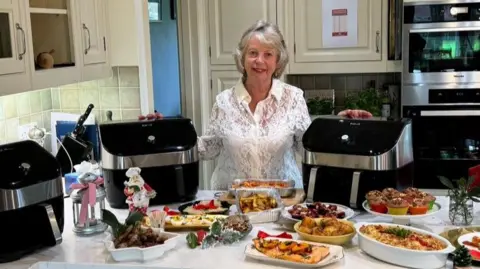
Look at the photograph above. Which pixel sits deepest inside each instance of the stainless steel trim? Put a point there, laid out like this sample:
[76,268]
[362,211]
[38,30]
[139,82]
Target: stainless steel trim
[311,184]
[436,2]
[53,223]
[434,113]
[354,189]
[30,195]
[417,95]
[398,156]
[113,162]
[436,30]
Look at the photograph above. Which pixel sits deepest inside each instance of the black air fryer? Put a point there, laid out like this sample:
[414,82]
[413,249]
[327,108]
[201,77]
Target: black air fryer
[31,199]
[165,150]
[345,158]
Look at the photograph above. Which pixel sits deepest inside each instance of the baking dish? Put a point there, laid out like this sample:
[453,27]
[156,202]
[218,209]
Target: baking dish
[288,191]
[404,257]
[270,215]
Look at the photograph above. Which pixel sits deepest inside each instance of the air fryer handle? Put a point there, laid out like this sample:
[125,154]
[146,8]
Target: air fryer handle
[311,184]
[354,189]
[57,235]
[179,181]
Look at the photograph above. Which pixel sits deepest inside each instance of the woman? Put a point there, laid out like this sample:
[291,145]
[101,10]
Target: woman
[256,127]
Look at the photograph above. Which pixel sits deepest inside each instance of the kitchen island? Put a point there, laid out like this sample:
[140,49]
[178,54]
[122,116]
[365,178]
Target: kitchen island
[91,250]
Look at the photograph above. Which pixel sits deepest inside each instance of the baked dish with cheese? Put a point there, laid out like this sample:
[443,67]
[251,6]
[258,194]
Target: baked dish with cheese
[261,184]
[402,238]
[293,251]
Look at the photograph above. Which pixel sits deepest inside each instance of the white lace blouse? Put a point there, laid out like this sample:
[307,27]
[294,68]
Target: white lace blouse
[258,145]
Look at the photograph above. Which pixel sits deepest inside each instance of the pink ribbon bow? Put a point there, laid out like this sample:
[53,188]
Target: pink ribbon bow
[89,196]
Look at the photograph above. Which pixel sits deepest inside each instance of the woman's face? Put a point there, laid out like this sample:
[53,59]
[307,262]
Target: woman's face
[260,60]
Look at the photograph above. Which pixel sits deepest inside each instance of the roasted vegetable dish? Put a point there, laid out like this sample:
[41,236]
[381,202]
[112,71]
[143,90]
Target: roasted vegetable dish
[257,202]
[315,210]
[137,236]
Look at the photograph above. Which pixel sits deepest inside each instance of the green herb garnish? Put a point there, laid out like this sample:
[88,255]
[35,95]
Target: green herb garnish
[400,232]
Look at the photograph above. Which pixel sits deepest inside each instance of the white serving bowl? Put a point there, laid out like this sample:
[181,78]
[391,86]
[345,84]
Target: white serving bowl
[404,257]
[142,254]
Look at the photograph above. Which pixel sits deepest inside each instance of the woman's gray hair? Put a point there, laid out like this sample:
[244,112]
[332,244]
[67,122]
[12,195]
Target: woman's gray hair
[268,34]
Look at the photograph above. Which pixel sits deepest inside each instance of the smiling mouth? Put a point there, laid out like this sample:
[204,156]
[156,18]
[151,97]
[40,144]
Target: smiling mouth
[259,70]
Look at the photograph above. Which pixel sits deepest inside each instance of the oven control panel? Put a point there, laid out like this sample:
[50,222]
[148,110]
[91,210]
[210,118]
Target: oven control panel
[453,96]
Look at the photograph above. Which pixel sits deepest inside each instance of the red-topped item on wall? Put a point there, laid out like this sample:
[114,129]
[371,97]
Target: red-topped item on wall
[474,172]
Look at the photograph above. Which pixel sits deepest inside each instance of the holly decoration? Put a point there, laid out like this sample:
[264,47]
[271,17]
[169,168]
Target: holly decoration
[462,257]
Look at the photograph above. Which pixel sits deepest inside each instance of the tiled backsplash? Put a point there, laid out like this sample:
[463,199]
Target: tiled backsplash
[341,83]
[119,94]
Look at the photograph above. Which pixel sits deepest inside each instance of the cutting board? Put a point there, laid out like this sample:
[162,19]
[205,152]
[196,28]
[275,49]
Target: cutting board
[297,198]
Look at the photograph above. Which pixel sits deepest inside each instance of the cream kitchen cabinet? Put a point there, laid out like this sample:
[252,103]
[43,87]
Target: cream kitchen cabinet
[52,43]
[228,19]
[310,55]
[13,58]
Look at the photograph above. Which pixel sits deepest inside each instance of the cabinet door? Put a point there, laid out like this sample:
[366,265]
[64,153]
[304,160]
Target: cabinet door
[228,19]
[12,38]
[93,24]
[309,43]
[222,80]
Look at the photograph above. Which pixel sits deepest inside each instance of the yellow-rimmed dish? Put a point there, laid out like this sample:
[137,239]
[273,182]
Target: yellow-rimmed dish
[333,240]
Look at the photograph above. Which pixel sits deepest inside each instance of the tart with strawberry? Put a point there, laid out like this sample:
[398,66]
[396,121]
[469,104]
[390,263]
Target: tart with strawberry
[397,206]
[418,207]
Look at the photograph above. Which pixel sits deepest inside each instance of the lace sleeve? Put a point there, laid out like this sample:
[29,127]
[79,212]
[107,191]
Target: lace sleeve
[302,121]
[210,144]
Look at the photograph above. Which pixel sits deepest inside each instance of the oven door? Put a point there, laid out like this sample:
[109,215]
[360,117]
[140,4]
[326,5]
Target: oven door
[446,142]
[441,53]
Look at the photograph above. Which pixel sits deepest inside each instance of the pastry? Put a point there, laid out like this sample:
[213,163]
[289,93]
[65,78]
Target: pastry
[378,205]
[418,207]
[430,199]
[373,195]
[397,206]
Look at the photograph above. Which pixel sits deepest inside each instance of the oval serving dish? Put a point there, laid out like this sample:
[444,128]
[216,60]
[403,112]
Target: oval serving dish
[142,254]
[416,258]
[334,240]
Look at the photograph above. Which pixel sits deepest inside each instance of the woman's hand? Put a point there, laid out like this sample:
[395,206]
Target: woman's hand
[151,116]
[355,114]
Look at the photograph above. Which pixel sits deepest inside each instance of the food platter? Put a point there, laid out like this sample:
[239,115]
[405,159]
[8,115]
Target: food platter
[260,205]
[472,242]
[336,254]
[191,222]
[403,219]
[349,213]
[201,207]
[285,188]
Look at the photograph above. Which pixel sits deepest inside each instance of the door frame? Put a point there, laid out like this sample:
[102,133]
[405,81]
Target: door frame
[194,67]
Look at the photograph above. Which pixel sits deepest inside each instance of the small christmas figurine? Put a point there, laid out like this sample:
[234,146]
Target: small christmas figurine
[137,191]
[462,258]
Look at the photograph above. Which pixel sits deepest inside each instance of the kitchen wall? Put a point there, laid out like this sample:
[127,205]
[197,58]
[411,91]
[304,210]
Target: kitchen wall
[119,94]
[341,83]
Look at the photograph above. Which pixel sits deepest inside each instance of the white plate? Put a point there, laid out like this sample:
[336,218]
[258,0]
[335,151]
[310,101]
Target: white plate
[336,254]
[142,254]
[468,237]
[349,213]
[436,208]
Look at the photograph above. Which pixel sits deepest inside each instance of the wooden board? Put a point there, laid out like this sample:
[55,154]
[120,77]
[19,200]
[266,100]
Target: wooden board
[297,198]
[170,227]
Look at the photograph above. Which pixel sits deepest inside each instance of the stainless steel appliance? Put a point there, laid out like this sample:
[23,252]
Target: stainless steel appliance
[31,200]
[446,140]
[441,42]
[345,158]
[165,150]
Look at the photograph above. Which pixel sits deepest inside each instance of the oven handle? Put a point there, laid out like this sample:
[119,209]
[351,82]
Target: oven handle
[453,29]
[440,113]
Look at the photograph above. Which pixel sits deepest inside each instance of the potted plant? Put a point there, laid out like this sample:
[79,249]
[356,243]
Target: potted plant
[462,258]
[368,99]
[462,195]
[320,106]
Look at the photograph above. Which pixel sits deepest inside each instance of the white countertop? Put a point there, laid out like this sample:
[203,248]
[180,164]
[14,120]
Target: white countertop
[75,249]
